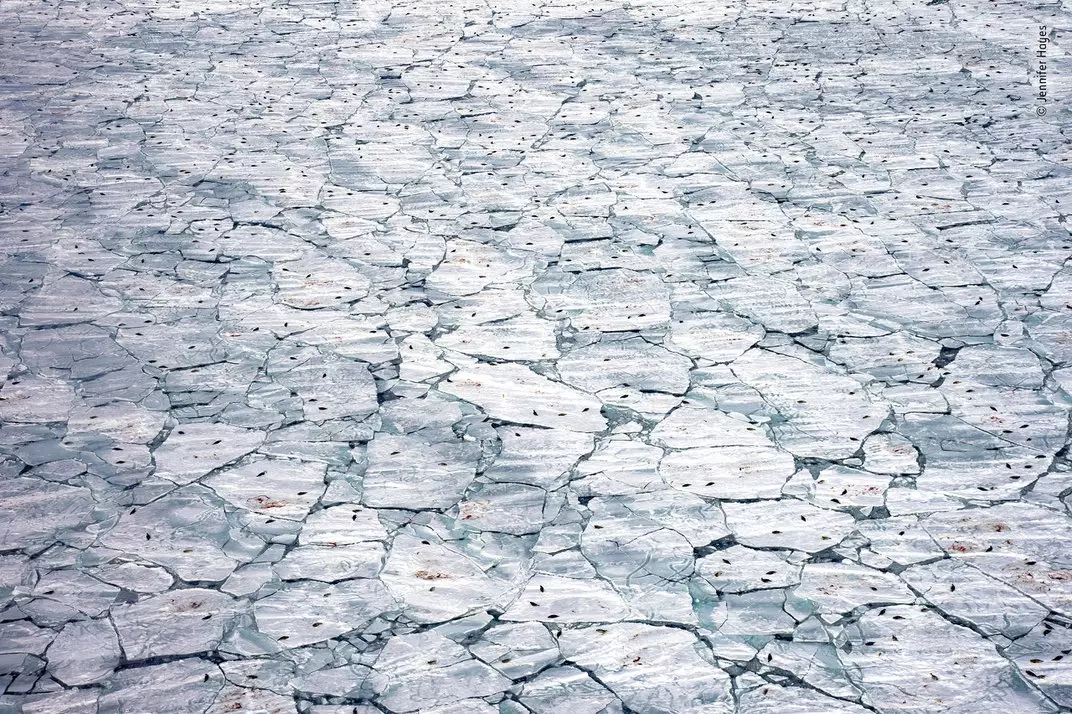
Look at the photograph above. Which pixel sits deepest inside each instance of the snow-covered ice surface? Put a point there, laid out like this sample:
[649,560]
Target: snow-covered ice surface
[534,356]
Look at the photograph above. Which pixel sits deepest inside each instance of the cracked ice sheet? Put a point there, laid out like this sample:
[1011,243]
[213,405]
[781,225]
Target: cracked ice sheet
[551,356]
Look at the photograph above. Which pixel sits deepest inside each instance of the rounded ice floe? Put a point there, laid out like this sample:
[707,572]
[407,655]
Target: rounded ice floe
[566,688]
[890,454]
[31,400]
[900,540]
[692,426]
[608,300]
[490,305]
[185,532]
[423,670]
[175,623]
[516,394]
[33,513]
[193,450]
[185,686]
[329,386]
[824,414]
[346,681]
[787,523]
[565,600]
[65,594]
[416,317]
[538,457]
[776,699]
[517,650]
[773,303]
[67,299]
[468,267]
[817,663]
[262,242]
[434,582]
[965,460]
[508,508]
[626,363]
[651,668]
[619,465]
[304,612]
[697,520]
[331,563]
[1018,544]
[962,312]
[183,343]
[234,698]
[84,652]
[839,487]
[134,577]
[728,472]
[524,338]
[318,281]
[278,488]
[835,588]
[739,569]
[407,472]
[968,594]
[122,421]
[344,524]
[912,660]
[894,358]
[647,565]
[1041,656]
[995,366]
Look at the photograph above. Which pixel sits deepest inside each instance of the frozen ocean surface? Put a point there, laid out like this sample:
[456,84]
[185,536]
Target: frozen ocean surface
[535,357]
